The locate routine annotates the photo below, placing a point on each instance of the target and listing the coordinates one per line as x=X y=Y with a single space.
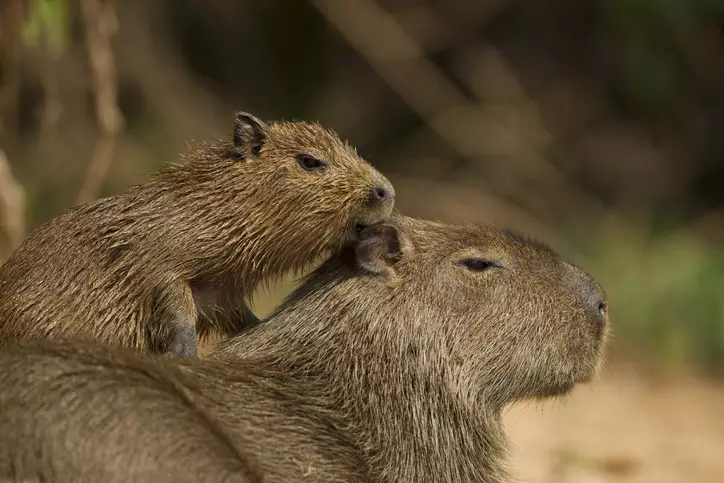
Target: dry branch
x=11 y=19
x=52 y=106
x=12 y=209
x=469 y=130
x=101 y=26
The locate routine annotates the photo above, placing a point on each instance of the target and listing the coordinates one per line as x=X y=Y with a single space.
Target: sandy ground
x=622 y=428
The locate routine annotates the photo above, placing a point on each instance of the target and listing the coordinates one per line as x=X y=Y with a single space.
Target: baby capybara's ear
x=379 y=249
x=249 y=135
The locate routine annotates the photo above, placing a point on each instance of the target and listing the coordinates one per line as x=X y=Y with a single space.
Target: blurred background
x=594 y=125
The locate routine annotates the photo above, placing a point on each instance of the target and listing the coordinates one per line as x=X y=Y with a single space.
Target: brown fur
x=391 y=363
x=145 y=268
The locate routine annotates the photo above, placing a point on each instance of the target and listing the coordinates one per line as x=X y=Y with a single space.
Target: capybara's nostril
x=379 y=194
x=596 y=302
x=591 y=296
x=602 y=308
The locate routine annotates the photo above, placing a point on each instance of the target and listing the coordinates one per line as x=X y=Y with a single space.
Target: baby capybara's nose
x=379 y=194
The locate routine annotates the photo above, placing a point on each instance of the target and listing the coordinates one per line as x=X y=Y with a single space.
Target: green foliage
x=652 y=36
x=666 y=296
x=48 y=20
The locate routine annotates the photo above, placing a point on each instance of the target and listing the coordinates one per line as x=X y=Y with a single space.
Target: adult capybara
x=392 y=362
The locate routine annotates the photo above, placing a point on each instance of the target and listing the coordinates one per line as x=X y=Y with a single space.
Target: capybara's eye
x=478 y=264
x=310 y=163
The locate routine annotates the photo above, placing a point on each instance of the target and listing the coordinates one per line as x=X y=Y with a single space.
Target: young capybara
x=392 y=362
x=149 y=267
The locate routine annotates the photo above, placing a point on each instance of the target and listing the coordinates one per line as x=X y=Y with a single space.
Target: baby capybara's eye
x=310 y=163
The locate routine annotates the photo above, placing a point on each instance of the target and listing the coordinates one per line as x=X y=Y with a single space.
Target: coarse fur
x=182 y=252
x=392 y=362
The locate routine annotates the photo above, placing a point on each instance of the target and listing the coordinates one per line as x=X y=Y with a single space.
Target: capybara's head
x=512 y=315
x=301 y=189
x=501 y=316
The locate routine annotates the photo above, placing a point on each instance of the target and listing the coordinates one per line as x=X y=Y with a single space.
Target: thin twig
x=101 y=26
x=11 y=21
x=52 y=107
x=12 y=209
x=403 y=65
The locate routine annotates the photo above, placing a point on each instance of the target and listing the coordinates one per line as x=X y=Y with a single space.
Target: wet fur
x=183 y=251
x=390 y=363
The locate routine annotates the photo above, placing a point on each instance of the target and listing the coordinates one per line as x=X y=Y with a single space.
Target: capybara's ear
x=249 y=135
x=379 y=249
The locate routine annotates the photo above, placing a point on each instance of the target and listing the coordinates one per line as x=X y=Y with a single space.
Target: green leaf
x=48 y=20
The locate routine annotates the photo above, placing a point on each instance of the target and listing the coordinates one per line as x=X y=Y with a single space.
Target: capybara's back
x=62 y=427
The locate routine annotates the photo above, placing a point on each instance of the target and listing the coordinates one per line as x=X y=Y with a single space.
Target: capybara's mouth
x=354 y=230
x=362 y=221
x=352 y=233
x=357 y=226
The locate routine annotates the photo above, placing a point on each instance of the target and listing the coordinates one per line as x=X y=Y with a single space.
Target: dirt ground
x=624 y=428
